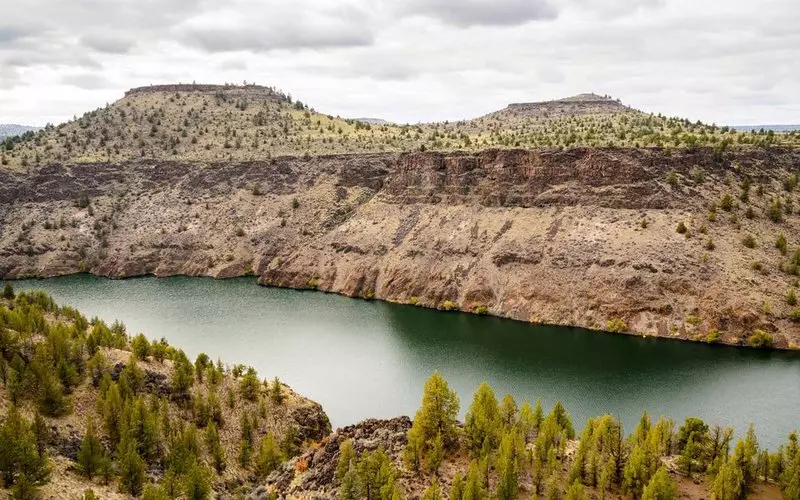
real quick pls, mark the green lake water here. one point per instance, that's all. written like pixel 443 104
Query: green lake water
pixel 364 359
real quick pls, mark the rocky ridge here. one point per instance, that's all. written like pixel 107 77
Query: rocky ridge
pixel 582 237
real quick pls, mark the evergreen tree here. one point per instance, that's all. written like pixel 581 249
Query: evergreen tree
pixel 130 468
pixel 509 457
pixel 91 454
pixel 347 455
pixel 249 385
pixel 473 485
pixel 563 419
pixel 508 411
pixel 576 492
pixel 527 421
pixel 8 291
pixel 457 488
pixel 483 424
pixel 276 392
pixel 19 459
pixel 41 433
pixel 268 457
pixel 432 492
pixel 197 484
pixel 140 347
pixel 436 417
pixel 348 490
pixel 215 449
pixel 729 482
pixel 660 487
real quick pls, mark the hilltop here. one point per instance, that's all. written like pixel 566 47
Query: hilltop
pixel 216 123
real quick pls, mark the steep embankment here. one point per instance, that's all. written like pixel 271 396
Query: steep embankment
pixel 582 237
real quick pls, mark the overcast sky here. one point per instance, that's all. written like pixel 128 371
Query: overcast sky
pixel 723 61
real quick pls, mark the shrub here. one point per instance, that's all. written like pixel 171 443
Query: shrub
pixel 239 232
pixel 760 338
pixel 616 325
pixel 448 305
pixel 482 310
pixel 681 228
pixel 780 244
pixel 791 298
pixel 794 315
pixel 713 336
pixel 726 203
pixel 710 244
pixel 413 300
pixel 749 241
pixel 312 284
pixel 672 178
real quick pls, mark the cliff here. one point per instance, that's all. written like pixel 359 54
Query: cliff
pixel 583 237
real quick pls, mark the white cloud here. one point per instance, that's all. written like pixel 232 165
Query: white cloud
pixel 719 61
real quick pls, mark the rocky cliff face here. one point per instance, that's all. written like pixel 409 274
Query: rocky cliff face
pixel 577 237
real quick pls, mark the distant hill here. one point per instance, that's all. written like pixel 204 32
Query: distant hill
pixel 776 128
pixel 217 123
pixel 11 129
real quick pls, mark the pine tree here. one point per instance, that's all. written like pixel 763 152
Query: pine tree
pixel 729 482
pixel 276 392
pixel 249 385
pixel 91 454
pixel 19 459
pixel 432 492
pixel 473 485
pixel 483 424
pixel 215 449
pixel 508 411
pixel 347 455
pixel 197 484
pixel 507 466
pixel 457 488
pixel 130 468
pixel 348 490
pixel 268 457
pixel 576 492
pixel 8 291
pixel 660 487
pixel 436 417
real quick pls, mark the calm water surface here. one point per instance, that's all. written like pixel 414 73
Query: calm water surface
pixel 370 359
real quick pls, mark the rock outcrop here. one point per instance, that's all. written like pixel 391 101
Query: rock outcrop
pixel 574 237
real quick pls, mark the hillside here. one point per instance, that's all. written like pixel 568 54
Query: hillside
pixel 692 242
pixel 211 123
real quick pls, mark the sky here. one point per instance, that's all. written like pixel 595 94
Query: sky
pixel 719 61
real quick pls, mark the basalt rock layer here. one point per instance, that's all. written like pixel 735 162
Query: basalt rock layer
pixel 582 237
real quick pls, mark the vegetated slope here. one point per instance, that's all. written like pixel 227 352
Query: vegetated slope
pixel 88 412
pixel 690 244
pixel 85 406
pixel 211 123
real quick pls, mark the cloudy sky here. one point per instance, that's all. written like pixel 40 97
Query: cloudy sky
pixel 722 61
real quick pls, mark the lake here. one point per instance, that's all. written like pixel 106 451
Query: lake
pixel 364 359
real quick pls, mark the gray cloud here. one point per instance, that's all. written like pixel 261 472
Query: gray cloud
pixel 465 13
pixel 87 81
pixel 410 60
pixel 108 42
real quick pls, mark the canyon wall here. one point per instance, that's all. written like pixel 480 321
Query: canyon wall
pixel 582 237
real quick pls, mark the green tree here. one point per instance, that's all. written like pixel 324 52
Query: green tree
pixel 483 425
pixel 268 457
pixel 433 492
pixel 728 483
pixel 91 455
pixel 576 492
pixel 347 455
pixel 197 484
pixel 8 292
pixel 140 346
pixel 509 457
pixel 660 487
pixel 474 485
pixel 19 459
pixel 276 392
pixel 436 417
pixel 130 468
pixel 249 385
pixel 508 411
pixel 457 488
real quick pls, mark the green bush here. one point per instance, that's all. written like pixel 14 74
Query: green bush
pixel 794 315
pixel 749 241
pixel 448 305
pixel 713 336
pixel 482 310
pixel 617 325
pixel 760 338
pixel 791 298
pixel 681 228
